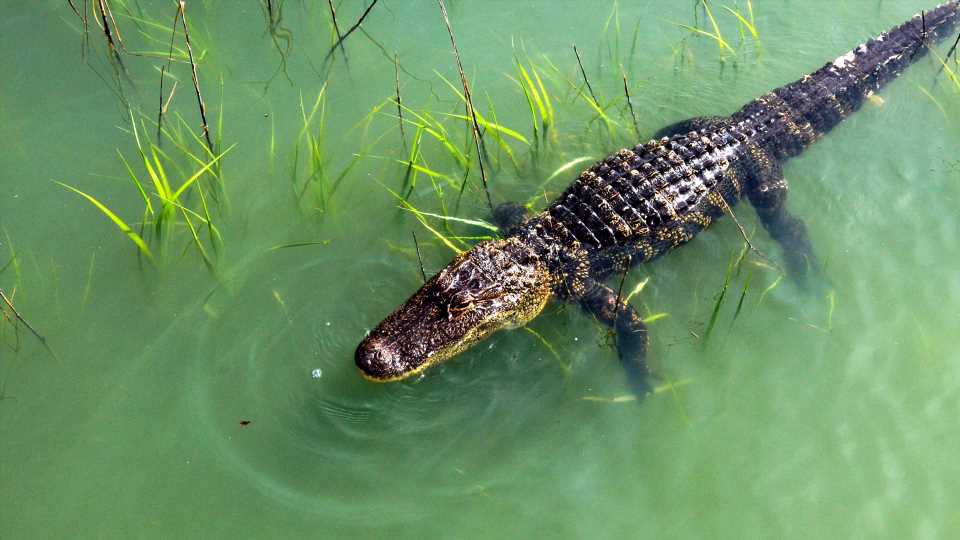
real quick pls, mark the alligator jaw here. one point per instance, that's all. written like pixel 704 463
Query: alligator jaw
pixel 496 285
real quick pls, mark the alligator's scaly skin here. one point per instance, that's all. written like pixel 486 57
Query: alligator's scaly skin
pixel 640 203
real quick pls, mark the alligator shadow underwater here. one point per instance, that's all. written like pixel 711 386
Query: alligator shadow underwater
pixel 637 205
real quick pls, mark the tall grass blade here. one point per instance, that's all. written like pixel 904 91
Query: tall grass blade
pixel 124 228
pixel 718 305
pixel 199 173
pixel 553 352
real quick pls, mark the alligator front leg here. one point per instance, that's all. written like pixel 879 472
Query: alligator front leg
pixel 509 215
pixel 631 333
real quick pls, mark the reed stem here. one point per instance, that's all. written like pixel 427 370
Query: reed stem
pixel 196 81
pixel 419 258
pixel 356 25
pixel 336 27
pixel 471 112
pixel 43 340
pixel 633 114
pixel 584 73
pixel 396 69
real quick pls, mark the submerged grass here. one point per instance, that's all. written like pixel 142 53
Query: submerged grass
pixel 7 304
pixel 718 304
pixel 122 225
pixel 13 263
pixel 471 111
pixel 670 386
pixel 715 35
pixel 177 176
pixel 167 205
pixel 538 99
pixel 747 22
pixel 950 71
pixel 313 180
pixel 564 366
pixel 746 27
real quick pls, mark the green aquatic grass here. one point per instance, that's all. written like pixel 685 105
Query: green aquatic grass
pixel 776 283
pixel 670 386
pixel 475 222
pixel 313 181
pixel 308 243
pixel 156 33
pixel 313 136
pixel 495 129
pixel 564 366
pixel 490 127
pixel 170 188
pixel 8 323
pixel 422 218
pixel 613 21
pixel 13 263
pixel 538 100
pixel 591 98
pixel 636 290
pixel 743 296
pixel 935 101
pixel 747 22
pixel 950 71
pixel 423 120
pixel 746 27
pixel 501 143
pixel 88 287
pixel 121 225
pixel 716 35
pixel 714 315
pixel 540 191
pixel 654 317
pixel 831 308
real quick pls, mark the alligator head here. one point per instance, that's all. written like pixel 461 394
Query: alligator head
pixel 497 284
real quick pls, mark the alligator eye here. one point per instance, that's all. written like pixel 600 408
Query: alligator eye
pixel 459 303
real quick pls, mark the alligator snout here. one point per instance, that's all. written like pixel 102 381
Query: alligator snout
pixel 378 361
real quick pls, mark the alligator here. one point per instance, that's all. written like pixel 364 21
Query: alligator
pixel 637 205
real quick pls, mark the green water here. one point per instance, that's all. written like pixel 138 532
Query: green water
pixel 805 415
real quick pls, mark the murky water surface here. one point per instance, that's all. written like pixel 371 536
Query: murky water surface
pixel 220 400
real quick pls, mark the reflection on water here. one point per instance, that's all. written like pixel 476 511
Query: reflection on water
pixel 185 402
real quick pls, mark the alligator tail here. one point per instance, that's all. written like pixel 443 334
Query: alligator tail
pixel 820 101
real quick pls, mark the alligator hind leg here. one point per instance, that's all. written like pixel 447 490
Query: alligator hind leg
pixel 631 333
pixel 769 198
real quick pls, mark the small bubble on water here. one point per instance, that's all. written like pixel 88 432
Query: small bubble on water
pixel 317 373
pixel 328 323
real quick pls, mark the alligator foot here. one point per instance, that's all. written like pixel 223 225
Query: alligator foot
pixel 509 215
pixel 631 333
pixel 769 198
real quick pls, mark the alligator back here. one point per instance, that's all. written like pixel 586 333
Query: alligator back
pixel 641 202
pixel 631 195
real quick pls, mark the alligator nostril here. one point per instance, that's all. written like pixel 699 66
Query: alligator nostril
pixel 375 358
